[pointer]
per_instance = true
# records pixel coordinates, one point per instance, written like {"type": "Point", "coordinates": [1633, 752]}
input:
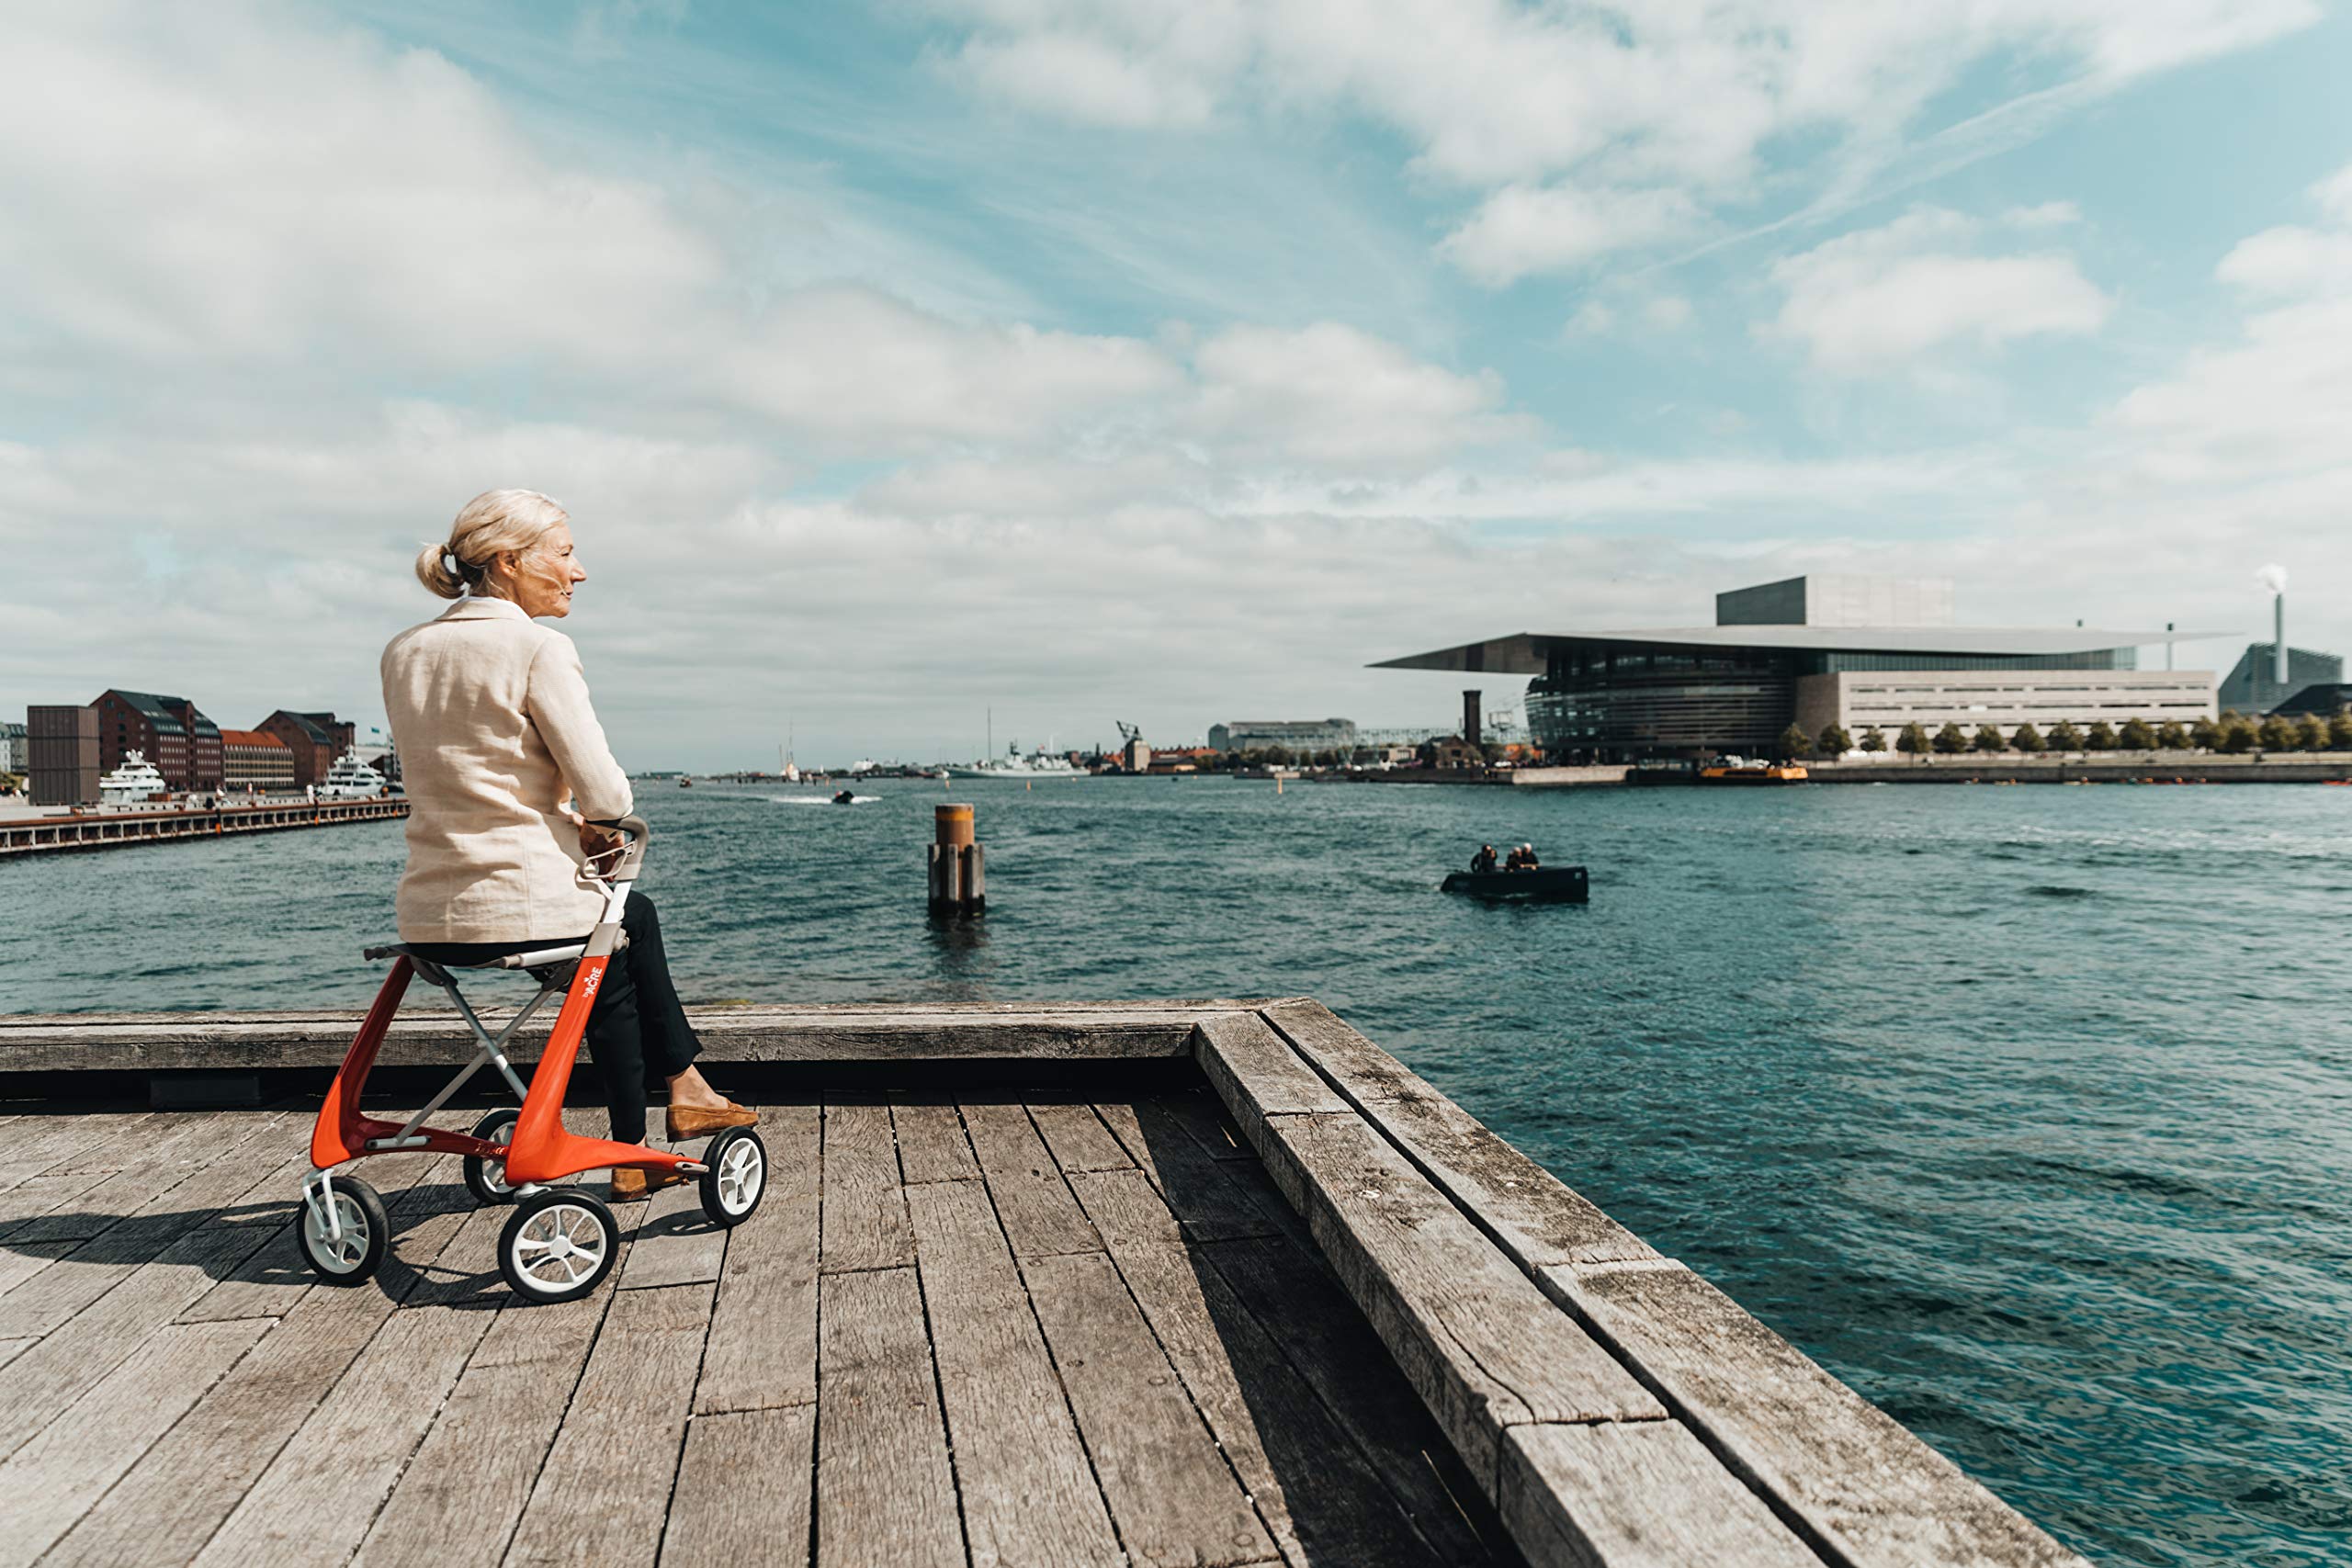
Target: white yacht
{"type": "Point", "coordinates": [131, 783]}
{"type": "Point", "coordinates": [351, 779]}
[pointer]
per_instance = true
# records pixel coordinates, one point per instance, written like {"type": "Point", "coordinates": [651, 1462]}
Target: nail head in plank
{"type": "Point", "coordinates": [1634, 1495]}
{"type": "Point", "coordinates": [885, 1493]}
{"type": "Point", "coordinates": [1039, 1214]}
{"type": "Point", "coordinates": [865, 1213]}
{"type": "Point", "coordinates": [1028, 1493]}
{"type": "Point", "coordinates": [742, 1495]}
{"type": "Point", "coordinates": [1174, 1498]}
{"type": "Point", "coordinates": [1849, 1472]}
{"type": "Point", "coordinates": [604, 1490]}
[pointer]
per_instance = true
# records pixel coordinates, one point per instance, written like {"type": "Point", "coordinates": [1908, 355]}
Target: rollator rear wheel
{"type": "Point", "coordinates": [486, 1179]}
{"type": "Point", "coordinates": [736, 1176]}
{"type": "Point", "coordinates": [557, 1246]}
{"type": "Point", "coordinates": [348, 1256]}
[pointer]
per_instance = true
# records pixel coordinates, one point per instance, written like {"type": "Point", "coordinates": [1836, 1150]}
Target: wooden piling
{"type": "Point", "coordinates": [956, 864]}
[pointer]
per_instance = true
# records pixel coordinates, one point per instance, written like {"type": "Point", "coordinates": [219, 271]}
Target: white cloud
{"type": "Point", "coordinates": [2043, 215]}
{"type": "Point", "coordinates": [1332, 397]}
{"type": "Point", "coordinates": [1520, 100]}
{"type": "Point", "coordinates": [1521, 229]}
{"type": "Point", "coordinates": [1881, 297]}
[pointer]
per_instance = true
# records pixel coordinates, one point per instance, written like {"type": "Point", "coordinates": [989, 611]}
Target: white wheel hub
{"type": "Point", "coordinates": [341, 1252]}
{"type": "Point", "coordinates": [742, 1173]}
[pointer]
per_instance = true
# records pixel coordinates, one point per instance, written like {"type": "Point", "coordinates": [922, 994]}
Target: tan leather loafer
{"type": "Point", "coordinates": [631, 1185]}
{"type": "Point", "coordinates": [695, 1121]}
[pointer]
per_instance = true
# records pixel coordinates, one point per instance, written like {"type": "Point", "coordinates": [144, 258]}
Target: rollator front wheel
{"type": "Point", "coordinates": [557, 1246]}
{"type": "Point", "coordinates": [348, 1250]}
{"type": "Point", "coordinates": [486, 1179]}
{"type": "Point", "coordinates": [736, 1176]}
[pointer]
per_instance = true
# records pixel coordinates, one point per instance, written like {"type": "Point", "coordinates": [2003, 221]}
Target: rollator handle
{"type": "Point", "coordinates": [633, 853]}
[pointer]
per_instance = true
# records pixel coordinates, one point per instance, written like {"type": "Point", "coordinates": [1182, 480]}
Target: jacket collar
{"type": "Point", "coordinates": [483, 608]}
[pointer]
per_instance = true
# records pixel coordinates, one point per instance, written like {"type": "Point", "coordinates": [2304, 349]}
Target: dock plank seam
{"type": "Point", "coordinates": [930, 1339]}
{"type": "Point", "coordinates": [1192, 1398]}
{"type": "Point", "coordinates": [817, 1360]}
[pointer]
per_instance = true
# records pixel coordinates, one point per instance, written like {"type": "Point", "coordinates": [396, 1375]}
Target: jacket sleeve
{"type": "Point", "coordinates": [557, 702]}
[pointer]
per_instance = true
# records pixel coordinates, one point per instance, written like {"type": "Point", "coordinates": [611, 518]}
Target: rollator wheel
{"type": "Point", "coordinates": [486, 1179]}
{"type": "Point", "coordinates": [738, 1175]}
{"type": "Point", "coordinates": [351, 1256]}
{"type": "Point", "coordinates": [557, 1246]}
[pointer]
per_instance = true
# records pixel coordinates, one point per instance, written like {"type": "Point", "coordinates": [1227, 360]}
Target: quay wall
{"type": "Point", "coordinates": [121, 830]}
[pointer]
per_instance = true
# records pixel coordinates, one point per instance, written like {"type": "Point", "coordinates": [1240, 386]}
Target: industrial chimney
{"type": "Point", "coordinates": [2275, 579]}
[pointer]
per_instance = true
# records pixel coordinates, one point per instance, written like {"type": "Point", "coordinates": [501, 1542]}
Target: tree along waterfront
{"type": "Point", "coordinates": [2230, 734]}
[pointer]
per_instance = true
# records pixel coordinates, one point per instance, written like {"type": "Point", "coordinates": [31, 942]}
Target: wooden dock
{"type": "Point", "coordinates": [121, 830]}
{"type": "Point", "coordinates": [1274, 1299]}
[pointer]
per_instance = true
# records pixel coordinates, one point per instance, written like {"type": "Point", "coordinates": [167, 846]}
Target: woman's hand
{"type": "Point", "coordinates": [593, 840]}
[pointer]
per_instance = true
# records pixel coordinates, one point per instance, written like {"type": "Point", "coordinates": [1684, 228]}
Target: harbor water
{"type": "Point", "coordinates": [2027, 1111]}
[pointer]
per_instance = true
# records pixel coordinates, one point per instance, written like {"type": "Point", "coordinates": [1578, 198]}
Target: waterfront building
{"type": "Point", "coordinates": [170, 732]}
{"type": "Point", "coordinates": [2254, 687]}
{"type": "Point", "coordinates": [15, 755]}
{"type": "Point", "coordinates": [1292, 735]}
{"type": "Point", "coordinates": [62, 746]}
{"type": "Point", "coordinates": [254, 761]}
{"type": "Point", "coordinates": [316, 740]}
{"type": "Point", "coordinates": [2325, 698]}
{"type": "Point", "coordinates": [1815, 651]}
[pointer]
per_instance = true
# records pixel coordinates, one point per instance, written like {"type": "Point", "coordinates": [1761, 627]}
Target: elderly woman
{"type": "Point", "coordinates": [490, 715]}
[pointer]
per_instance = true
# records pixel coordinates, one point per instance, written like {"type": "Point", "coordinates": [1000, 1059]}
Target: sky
{"type": "Point", "coordinates": [1166, 361]}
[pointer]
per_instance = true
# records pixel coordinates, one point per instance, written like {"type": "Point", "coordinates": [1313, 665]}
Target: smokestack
{"type": "Point", "coordinates": [1470, 718]}
{"type": "Point", "coordinates": [2273, 578]}
{"type": "Point", "coordinates": [2167, 645]}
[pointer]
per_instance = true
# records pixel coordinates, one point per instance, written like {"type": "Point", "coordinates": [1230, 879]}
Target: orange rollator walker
{"type": "Point", "coordinates": [562, 1241]}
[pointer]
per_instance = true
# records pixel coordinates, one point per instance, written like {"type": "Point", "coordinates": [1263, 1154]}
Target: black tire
{"type": "Point", "coordinates": [549, 1229]}
{"type": "Point", "coordinates": [737, 1177]}
{"type": "Point", "coordinates": [352, 1256]}
{"type": "Point", "coordinates": [486, 1179]}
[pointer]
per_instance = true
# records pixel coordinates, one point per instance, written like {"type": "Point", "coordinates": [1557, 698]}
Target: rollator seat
{"type": "Point", "coordinates": [536, 958]}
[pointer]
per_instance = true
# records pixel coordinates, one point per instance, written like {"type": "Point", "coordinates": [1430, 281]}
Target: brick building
{"type": "Point", "coordinates": [62, 747]}
{"type": "Point", "coordinates": [170, 732]}
{"type": "Point", "coordinates": [257, 761]}
{"type": "Point", "coordinates": [316, 740]}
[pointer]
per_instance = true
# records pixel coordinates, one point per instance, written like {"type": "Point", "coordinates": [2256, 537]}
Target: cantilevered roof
{"type": "Point", "coordinates": [1523, 653]}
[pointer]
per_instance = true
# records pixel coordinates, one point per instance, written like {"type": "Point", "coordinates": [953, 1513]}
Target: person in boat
{"type": "Point", "coordinates": [1484, 860]}
{"type": "Point", "coordinates": [1511, 861]}
{"type": "Point", "coordinates": [507, 768]}
{"type": "Point", "coordinates": [1527, 860]}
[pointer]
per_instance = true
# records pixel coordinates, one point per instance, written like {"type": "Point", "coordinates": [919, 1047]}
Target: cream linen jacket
{"type": "Point", "coordinates": [489, 715]}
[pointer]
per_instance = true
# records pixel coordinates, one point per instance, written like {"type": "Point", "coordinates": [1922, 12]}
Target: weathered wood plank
{"type": "Point", "coordinates": [1039, 1214]}
{"type": "Point", "coordinates": [931, 1145]}
{"type": "Point", "coordinates": [11, 1348]}
{"type": "Point", "coordinates": [1077, 1139]}
{"type": "Point", "coordinates": [139, 1300]}
{"type": "Point", "coordinates": [1201, 1190]}
{"type": "Point", "coordinates": [313, 1502]}
{"type": "Point", "coordinates": [270, 1282]}
{"type": "Point", "coordinates": [457, 1501]}
{"type": "Point", "coordinates": [195, 1477]}
{"type": "Point", "coordinates": [1317, 1495]}
{"type": "Point", "coordinates": [885, 1493]}
{"type": "Point", "coordinates": [92, 1139]}
{"type": "Point", "coordinates": [1533, 1215]}
{"type": "Point", "coordinates": [1029, 1495]}
{"type": "Point", "coordinates": [1242, 1057]}
{"type": "Point", "coordinates": [894, 1032]}
{"type": "Point", "coordinates": [763, 1348]}
{"type": "Point", "coordinates": [1335, 1351]}
{"type": "Point", "coordinates": [673, 1242]}
{"type": "Point", "coordinates": [1483, 1346]}
{"type": "Point", "coordinates": [743, 1486]}
{"type": "Point", "coordinates": [1174, 1498]}
{"type": "Point", "coordinates": [864, 1212]}
{"type": "Point", "coordinates": [605, 1490]}
{"type": "Point", "coordinates": [1845, 1469]}
{"type": "Point", "coordinates": [1636, 1494]}
{"type": "Point", "coordinates": [53, 1479]}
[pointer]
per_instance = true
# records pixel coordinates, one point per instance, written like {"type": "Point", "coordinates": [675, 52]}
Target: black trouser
{"type": "Point", "coordinates": [638, 1030]}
